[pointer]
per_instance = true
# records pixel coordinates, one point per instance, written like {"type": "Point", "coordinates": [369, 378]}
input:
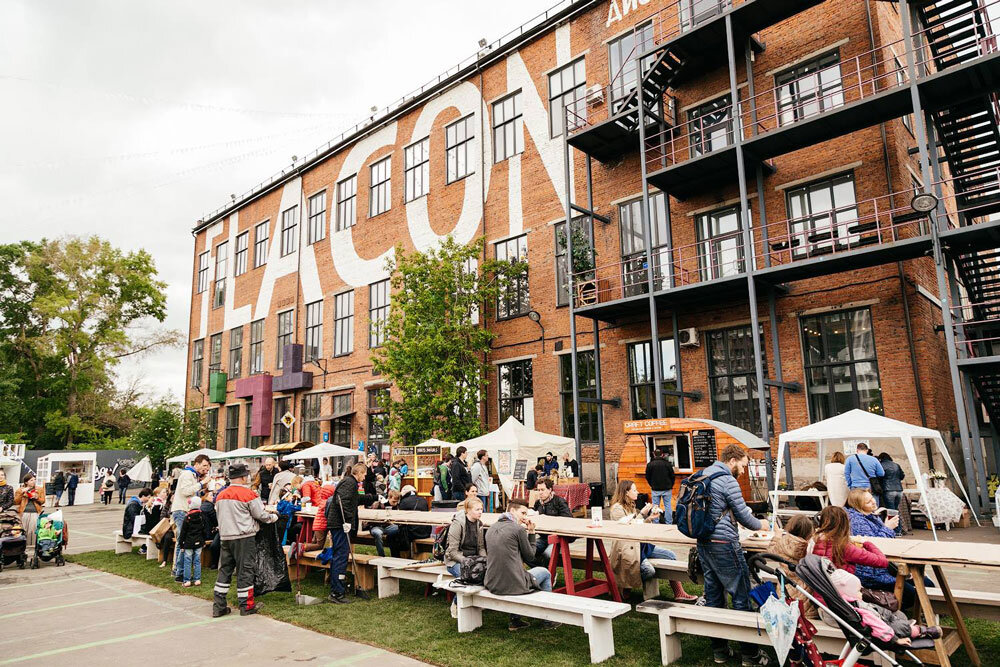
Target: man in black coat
{"type": "Point", "coordinates": [411, 502]}
{"type": "Point", "coordinates": [461, 478]}
{"type": "Point", "coordinates": [342, 519]}
{"type": "Point", "coordinates": [72, 482]}
{"type": "Point", "coordinates": [660, 476]}
{"type": "Point", "coordinates": [132, 510]}
{"type": "Point", "coordinates": [549, 504]}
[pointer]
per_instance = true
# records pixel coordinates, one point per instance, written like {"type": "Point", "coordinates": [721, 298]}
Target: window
{"type": "Point", "coordinates": [900, 72]}
{"type": "Point", "coordinates": [378, 418]}
{"type": "Point", "coordinates": [197, 358]}
{"type": "Point", "coordinates": [583, 256]}
{"type": "Point", "coordinates": [809, 89]}
{"type": "Point", "coordinates": [202, 272]}
{"type": "Point", "coordinates": [840, 363]}
{"type": "Point", "coordinates": [240, 258]}
{"type": "Point", "coordinates": [378, 312]}
{"type": "Point", "coordinates": [634, 246]}
{"type": "Point", "coordinates": [317, 218]}
{"type": "Point", "coordinates": [623, 53]}
{"type": "Point", "coordinates": [379, 198]}
{"type": "Point", "coordinates": [289, 223]}
{"type": "Point", "coordinates": [642, 385]}
{"type": "Point", "coordinates": [711, 126]}
{"type": "Point", "coordinates": [567, 89]}
{"type": "Point", "coordinates": [281, 432]}
{"type": "Point", "coordinates": [343, 324]}
{"type": "Point", "coordinates": [694, 12]}
{"type": "Point", "coordinates": [458, 146]}
{"type": "Point", "coordinates": [251, 441]}
{"type": "Point", "coordinates": [285, 326]}
{"type": "Point", "coordinates": [260, 233]}
{"type": "Point", "coordinates": [212, 428]}
{"type": "Point", "coordinates": [515, 388]}
{"type": "Point", "coordinates": [341, 426]}
{"type": "Point", "coordinates": [310, 417]}
{"type": "Point", "coordinates": [256, 347]}
{"type": "Point", "coordinates": [235, 352]}
{"type": "Point", "coordinates": [508, 128]}
{"type": "Point", "coordinates": [720, 236]}
{"type": "Point", "coordinates": [232, 427]}
{"type": "Point", "coordinates": [215, 358]}
{"type": "Point", "coordinates": [347, 191]}
{"type": "Point", "coordinates": [314, 331]}
{"type": "Point", "coordinates": [221, 260]}
{"type": "Point", "coordinates": [513, 299]}
{"type": "Point", "coordinates": [822, 215]}
{"type": "Point", "coordinates": [732, 378]}
{"type": "Point", "coordinates": [416, 170]}
{"type": "Point", "coordinates": [586, 381]}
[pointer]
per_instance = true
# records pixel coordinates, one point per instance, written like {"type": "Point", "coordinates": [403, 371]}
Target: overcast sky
{"type": "Point", "coordinates": [132, 119]}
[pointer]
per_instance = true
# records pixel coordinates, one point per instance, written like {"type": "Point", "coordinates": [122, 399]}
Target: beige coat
{"type": "Point", "coordinates": [793, 548]}
{"type": "Point", "coordinates": [624, 556]}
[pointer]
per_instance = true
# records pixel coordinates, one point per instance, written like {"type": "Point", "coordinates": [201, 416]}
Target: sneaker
{"type": "Point", "coordinates": [197, 582]}
{"type": "Point", "coordinates": [186, 584]}
{"type": "Point", "coordinates": [163, 564]}
{"type": "Point", "coordinates": [252, 610]}
{"type": "Point", "coordinates": [517, 624]}
{"type": "Point", "coordinates": [142, 550]}
{"type": "Point", "coordinates": [550, 625]}
{"type": "Point", "coordinates": [178, 578]}
{"type": "Point", "coordinates": [339, 599]}
{"type": "Point", "coordinates": [722, 655]}
{"type": "Point", "coordinates": [224, 612]}
{"type": "Point", "coordinates": [761, 658]}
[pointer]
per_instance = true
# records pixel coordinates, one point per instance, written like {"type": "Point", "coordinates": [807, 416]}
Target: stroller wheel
{"type": "Point", "coordinates": [60, 561]}
{"type": "Point", "coordinates": [21, 562]}
{"type": "Point", "coordinates": [34, 563]}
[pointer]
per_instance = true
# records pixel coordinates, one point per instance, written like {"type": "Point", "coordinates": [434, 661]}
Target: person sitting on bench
{"type": "Point", "coordinates": [549, 504]}
{"type": "Point", "coordinates": [465, 537]}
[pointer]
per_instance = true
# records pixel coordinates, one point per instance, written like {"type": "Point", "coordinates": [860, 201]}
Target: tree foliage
{"type": "Point", "coordinates": [434, 350]}
{"type": "Point", "coordinates": [163, 431]}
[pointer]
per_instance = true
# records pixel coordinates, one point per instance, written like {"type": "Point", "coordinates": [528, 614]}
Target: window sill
{"type": "Point", "coordinates": [504, 159]}
{"type": "Point", "coordinates": [459, 179]}
{"type": "Point", "coordinates": [372, 217]}
{"type": "Point", "coordinates": [512, 317]}
{"type": "Point", "coordinates": [407, 201]}
{"type": "Point", "coordinates": [283, 255]}
{"type": "Point", "coordinates": [343, 354]}
{"type": "Point", "coordinates": [344, 229]}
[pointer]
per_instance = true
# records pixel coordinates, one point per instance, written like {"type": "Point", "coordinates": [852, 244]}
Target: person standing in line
{"type": "Point", "coordinates": [240, 512]}
{"type": "Point", "coordinates": [481, 476]}
{"type": "Point", "coordinates": [191, 541]}
{"type": "Point", "coordinates": [72, 482]}
{"type": "Point", "coordinates": [58, 487]}
{"type": "Point", "coordinates": [863, 471]}
{"type": "Point", "coordinates": [342, 519]}
{"type": "Point", "coordinates": [892, 486]}
{"type": "Point", "coordinates": [461, 478]}
{"type": "Point", "coordinates": [721, 554]}
{"type": "Point", "coordinates": [836, 481]}
{"type": "Point", "coordinates": [123, 482]}
{"type": "Point", "coordinates": [107, 488]}
{"type": "Point", "coordinates": [188, 486]}
{"type": "Point", "coordinates": [660, 476]}
{"type": "Point", "coordinates": [442, 475]}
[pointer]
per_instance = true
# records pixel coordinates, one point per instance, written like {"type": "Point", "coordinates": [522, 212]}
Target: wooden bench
{"type": "Point", "coordinates": [124, 545]}
{"type": "Point", "coordinates": [743, 626]}
{"type": "Point", "coordinates": [972, 604]}
{"type": "Point", "coordinates": [422, 547]}
{"type": "Point", "coordinates": [365, 568]}
{"type": "Point", "coordinates": [593, 615]}
{"type": "Point", "coordinates": [391, 570]}
{"type": "Point", "coordinates": [673, 570]}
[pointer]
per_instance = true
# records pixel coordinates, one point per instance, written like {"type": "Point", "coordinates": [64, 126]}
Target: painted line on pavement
{"type": "Point", "coordinates": [83, 532]}
{"type": "Point", "coordinates": [115, 640]}
{"type": "Point", "coordinates": [54, 581]}
{"type": "Point", "coordinates": [351, 659]}
{"type": "Point", "coordinates": [78, 604]}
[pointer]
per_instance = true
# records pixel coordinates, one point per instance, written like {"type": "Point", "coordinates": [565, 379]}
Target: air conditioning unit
{"type": "Point", "coordinates": [595, 95]}
{"type": "Point", "coordinates": [688, 338]}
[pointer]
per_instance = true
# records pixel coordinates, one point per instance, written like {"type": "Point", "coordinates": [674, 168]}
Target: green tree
{"type": "Point", "coordinates": [434, 350]}
{"type": "Point", "coordinates": [160, 432]}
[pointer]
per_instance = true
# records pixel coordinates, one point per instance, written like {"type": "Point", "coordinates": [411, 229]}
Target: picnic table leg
{"type": "Point", "coordinates": [928, 610]}
{"type": "Point", "coordinates": [609, 573]}
{"type": "Point", "coordinates": [469, 616]}
{"type": "Point", "coordinates": [590, 558]}
{"type": "Point", "coordinates": [956, 615]}
{"type": "Point", "coordinates": [388, 585]}
{"type": "Point", "coordinates": [901, 574]}
{"type": "Point", "coordinates": [670, 643]}
{"type": "Point", "coordinates": [601, 636]}
{"type": "Point", "coordinates": [567, 563]}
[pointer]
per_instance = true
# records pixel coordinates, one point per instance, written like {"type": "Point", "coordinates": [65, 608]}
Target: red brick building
{"type": "Point", "coordinates": [820, 251]}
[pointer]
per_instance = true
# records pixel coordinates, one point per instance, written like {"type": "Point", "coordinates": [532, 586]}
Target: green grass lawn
{"type": "Point", "coordinates": [421, 627]}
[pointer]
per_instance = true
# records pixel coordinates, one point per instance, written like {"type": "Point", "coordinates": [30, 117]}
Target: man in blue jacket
{"type": "Point", "coordinates": [721, 555]}
{"type": "Point", "coordinates": [861, 468]}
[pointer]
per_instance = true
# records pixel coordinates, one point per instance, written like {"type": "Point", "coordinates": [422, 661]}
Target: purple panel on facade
{"type": "Point", "coordinates": [293, 377]}
{"type": "Point", "coordinates": [258, 388]}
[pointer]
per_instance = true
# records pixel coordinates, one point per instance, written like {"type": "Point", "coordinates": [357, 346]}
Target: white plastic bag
{"type": "Point", "coordinates": [780, 621]}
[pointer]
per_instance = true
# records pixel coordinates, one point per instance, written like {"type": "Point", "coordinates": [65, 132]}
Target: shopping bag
{"type": "Point", "coordinates": [160, 529]}
{"type": "Point", "coordinates": [780, 621]}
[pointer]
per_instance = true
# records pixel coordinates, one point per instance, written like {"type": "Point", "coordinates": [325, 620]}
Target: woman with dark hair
{"type": "Point", "coordinates": [833, 541]}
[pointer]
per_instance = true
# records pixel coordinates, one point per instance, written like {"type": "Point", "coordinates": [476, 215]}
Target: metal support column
{"type": "Point", "coordinates": [600, 406]}
{"type": "Point", "coordinates": [572, 305]}
{"type": "Point", "coordinates": [920, 127]}
{"type": "Point", "coordinates": [776, 351]}
{"type": "Point", "coordinates": [762, 390]}
{"type": "Point", "coordinates": [982, 497]}
{"type": "Point", "coordinates": [679, 375]}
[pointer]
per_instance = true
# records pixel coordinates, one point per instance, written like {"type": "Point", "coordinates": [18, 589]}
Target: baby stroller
{"type": "Point", "coordinates": [13, 543]}
{"type": "Point", "coordinates": [51, 535]}
{"type": "Point", "coordinates": [823, 594]}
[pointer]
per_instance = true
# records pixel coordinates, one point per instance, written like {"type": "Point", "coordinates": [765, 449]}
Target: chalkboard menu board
{"type": "Point", "coordinates": [520, 470]}
{"type": "Point", "coordinates": [703, 443]}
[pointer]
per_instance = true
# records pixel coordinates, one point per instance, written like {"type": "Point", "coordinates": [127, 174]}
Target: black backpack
{"type": "Point", "coordinates": [473, 571]}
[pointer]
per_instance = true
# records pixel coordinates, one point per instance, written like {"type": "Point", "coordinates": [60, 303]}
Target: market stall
{"type": "Point", "coordinates": [319, 452]}
{"type": "Point", "coordinates": [879, 432]}
{"type": "Point", "coordinates": [191, 456]}
{"type": "Point", "coordinates": [81, 463]}
{"type": "Point", "coordinates": [11, 455]}
{"type": "Point", "coordinates": [420, 462]}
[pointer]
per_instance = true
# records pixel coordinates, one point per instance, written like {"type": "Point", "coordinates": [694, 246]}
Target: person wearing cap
{"type": "Point", "coordinates": [240, 512]}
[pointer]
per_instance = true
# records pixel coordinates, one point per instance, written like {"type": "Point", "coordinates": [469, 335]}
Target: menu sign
{"type": "Point", "coordinates": [703, 444]}
{"type": "Point", "coordinates": [428, 449]}
{"type": "Point", "coordinates": [520, 470]}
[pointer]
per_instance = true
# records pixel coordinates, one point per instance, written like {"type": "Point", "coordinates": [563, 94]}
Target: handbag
{"type": "Point", "coordinates": [874, 482]}
{"type": "Point", "coordinates": [473, 571]}
{"type": "Point", "coordinates": [160, 529]}
{"type": "Point", "coordinates": [885, 599]}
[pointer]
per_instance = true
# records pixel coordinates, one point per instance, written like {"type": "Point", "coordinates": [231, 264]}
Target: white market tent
{"type": "Point", "coordinates": [322, 451]}
{"type": "Point", "coordinates": [514, 441]}
{"type": "Point", "coordinates": [241, 453]}
{"type": "Point", "coordinates": [434, 442]}
{"type": "Point", "coordinates": [141, 471]}
{"type": "Point", "coordinates": [191, 456]}
{"type": "Point", "coordinates": [878, 432]}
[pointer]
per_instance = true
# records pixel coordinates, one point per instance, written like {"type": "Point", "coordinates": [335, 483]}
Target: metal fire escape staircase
{"type": "Point", "coordinates": [970, 139]}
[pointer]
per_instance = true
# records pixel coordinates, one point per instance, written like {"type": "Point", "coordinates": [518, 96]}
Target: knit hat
{"type": "Point", "coordinates": [848, 585]}
{"type": "Point", "coordinates": [194, 503]}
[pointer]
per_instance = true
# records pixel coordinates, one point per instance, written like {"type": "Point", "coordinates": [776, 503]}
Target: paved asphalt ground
{"type": "Point", "coordinates": [76, 616]}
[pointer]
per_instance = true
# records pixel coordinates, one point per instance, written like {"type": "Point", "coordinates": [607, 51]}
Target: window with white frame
{"type": "Point", "coordinates": [710, 126]}
{"type": "Point", "coordinates": [197, 361]}
{"type": "Point", "coordinates": [567, 90]}
{"type": "Point", "coordinates": [317, 218]}
{"type": "Point", "coordinates": [809, 89]}
{"type": "Point", "coordinates": [286, 328]}
{"type": "Point", "coordinates": [232, 440]}
{"type": "Point", "coordinates": [310, 417]}
{"type": "Point", "coordinates": [633, 243]}
{"type": "Point", "coordinates": [380, 192]}
{"type": "Point", "coordinates": [720, 238]}
{"type": "Point", "coordinates": [378, 312]}
{"type": "Point", "coordinates": [732, 378]}
{"type": "Point", "coordinates": [282, 433]}
{"type": "Point", "coordinates": [202, 272]}
{"type": "Point", "coordinates": [513, 298]}
{"type": "Point", "coordinates": [347, 195]}
{"type": "Point", "coordinates": [416, 169]}
{"type": "Point", "coordinates": [215, 354]}
{"type": "Point", "coordinates": [343, 324]}
{"type": "Point", "coordinates": [378, 416]}
{"type": "Point", "coordinates": [642, 382]}
{"type": "Point", "coordinates": [508, 127]}
{"type": "Point", "coordinates": [289, 227]}
{"type": "Point", "coordinates": [515, 387]}
{"type": "Point", "coordinates": [235, 352]}
{"type": "Point", "coordinates": [586, 383]}
{"type": "Point", "coordinates": [583, 256]}
{"type": "Point", "coordinates": [240, 257]}
{"type": "Point", "coordinates": [257, 347]}
{"type": "Point", "coordinates": [695, 12]}
{"type": "Point", "coordinates": [260, 236]}
{"type": "Point", "coordinates": [623, 54]}
{"type": "Point", "coordinates": [212, 427]}
{"type": "Point", "coordinates": [458, 148]}
{"type": "Point", "coordinates": [221, 264]}
{"type": "Point", "coordinates": [341, 426]}
{"type": "Point", "coordinates": [314, 331]}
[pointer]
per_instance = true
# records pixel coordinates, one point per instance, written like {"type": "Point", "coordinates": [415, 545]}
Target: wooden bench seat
{"type": "Point", "coordinates": [593, 615]}
{"type": "Point", "coordinates": [391, 570]}
{"type": "Point", "coordinates": [124, 546]}
{"type": "Point", "coordinates": [365, 568]}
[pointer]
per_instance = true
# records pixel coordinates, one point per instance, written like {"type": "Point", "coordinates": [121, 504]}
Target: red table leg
{"type": "Point", "coordinates": [590, 587]}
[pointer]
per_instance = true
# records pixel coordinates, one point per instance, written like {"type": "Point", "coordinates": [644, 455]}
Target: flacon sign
{"type": "Point", "coordinates": [620, 8]}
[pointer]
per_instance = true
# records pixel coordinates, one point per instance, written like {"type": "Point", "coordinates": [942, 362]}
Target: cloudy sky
{"type": "Point", "coordinates": [132, 119]}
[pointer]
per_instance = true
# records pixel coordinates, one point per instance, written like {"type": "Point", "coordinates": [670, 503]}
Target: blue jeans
{"type": "Point", "coordinates": [58, 494]}
{"type": "Point", "coordinates": [455, 570]}
{"type": "Point", "coordinates": [458, 495]}
{"type": "Point", "coordinates": [178, 518]}
{"type": "Point", "coordinates": [646, 569]}
{"type": "Point", "coordinates": [381, 534]}
{"type": "Point", "coordinates": [191, 564]}
{"type": "Point", "coordinates": [667, 496]}
{"type": "Point", "coordinates": [485, 500]}
{"type": "Point", "coordinates": [726, 571]}
{"type": "Point", "coordinates": [891, 499]}
{"type": "Point", "coordinates": [541, 577]}
{"type": "Point", "coordinates": [338, 564]}
{"type": "Point", "coordinates": [542, 548]}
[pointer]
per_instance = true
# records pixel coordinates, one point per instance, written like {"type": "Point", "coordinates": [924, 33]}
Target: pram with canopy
{"type": "Point", "coordinates": [13, 542]}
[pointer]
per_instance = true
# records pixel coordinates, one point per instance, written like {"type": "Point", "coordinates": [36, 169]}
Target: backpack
{"type": "Point", "coordinates": [440, 543]}
{"type": "Point", "coordinates": [692, 515]}
{"type": "Point", "coordinates": [473, 571]}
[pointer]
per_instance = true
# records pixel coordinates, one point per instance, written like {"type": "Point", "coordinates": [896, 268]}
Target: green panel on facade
{"type": "Point", "coordinates": [217, 387]}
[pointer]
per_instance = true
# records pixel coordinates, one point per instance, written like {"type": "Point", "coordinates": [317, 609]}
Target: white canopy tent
{"type": "Point", "coordinates": [514, 441]}
{"type": "Point", "coordinates": [141, 471]}
{"type": "Point", "coordinates": [877, 431]}
{"type": "Point", "coordinates": [191, 456]}
{"type": "Point", "coordinates": [434, 442]}
{"type": "Point", "coordinates": [241, 453]}
{"type": "Point", "coordinates": [321, 451]}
